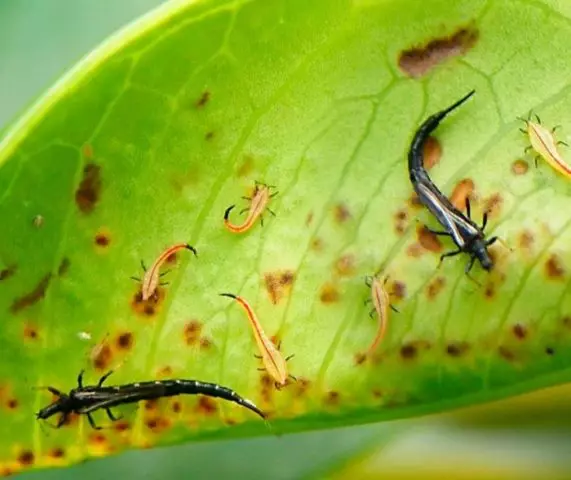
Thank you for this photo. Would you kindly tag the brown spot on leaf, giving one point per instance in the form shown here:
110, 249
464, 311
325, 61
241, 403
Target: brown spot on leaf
332, 398
329, 293
493, 204
414, 250
147, 308
457, 349
203, 100
519, 331
102, 239
176, 406
489, 291
401, 221
399, 289
360, 358
151, 405
554, 267
309, 219
157, 424
101, 356
246, 166
8, 272
206, 405
6, 472
12, 403
302, 386
192, 332
34, 296
409, 351
63, 267
432, 152
209, 135
506, 353
435, 287
57, 452
87, 151
26, 457
125, 341
414, 202
317, 244
526, 239
89, 190
121, 425
342, 213
205, 343
278, 284
428, 240
30, 332
345, 265
462, 191
418, 61
520, 167
566, 321
164, 372
549, 351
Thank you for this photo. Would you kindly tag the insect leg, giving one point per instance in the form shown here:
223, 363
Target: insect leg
393, 308
112, 417
484, 220
436, 232
290, 357
262, 220
163, 284
470, 265
369, 280
137, 279
61, 421
92, 422
164, 273
491, 241
560, 142
80, 379
259, 357
143, 266
527, 149
536, 159
247, 198
449, 254
468, 212
372, 313
104, 377
271, 212
243, 210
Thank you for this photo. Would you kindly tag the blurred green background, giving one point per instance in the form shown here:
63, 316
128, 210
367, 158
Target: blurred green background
524, 438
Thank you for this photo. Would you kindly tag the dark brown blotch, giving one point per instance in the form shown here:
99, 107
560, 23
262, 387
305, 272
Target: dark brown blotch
203, 100
360, 358
418, 61
30, 332
462, 191
398, 289
435, 287
209, 135
332, 398
121, 425
57, 452
554, 267
34, 296
428, 240
410, 350
149, 307
520, 167
165, 372
63, 267
489, 290
151, 405
7, 272
125, 341
205, 343
206, 405
192, 332
26, 457
102, 239
12, 404
101, 357
457, 349
89, 190
431, 153
278, 284
520, 331
526, 240
401, 221
176, 406
329, 293
341, 213
550, 351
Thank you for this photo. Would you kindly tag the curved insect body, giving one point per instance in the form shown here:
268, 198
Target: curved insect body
258, 203
85, 400
272, 359
152, 276
381, 301
465, 233
544, 143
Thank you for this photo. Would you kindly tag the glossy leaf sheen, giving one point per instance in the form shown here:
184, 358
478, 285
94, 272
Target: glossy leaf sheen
154, 135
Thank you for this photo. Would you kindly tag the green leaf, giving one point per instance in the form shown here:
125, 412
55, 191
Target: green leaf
149, 139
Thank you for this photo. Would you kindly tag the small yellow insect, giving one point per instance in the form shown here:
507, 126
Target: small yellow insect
259, 203
545, 145
382, 302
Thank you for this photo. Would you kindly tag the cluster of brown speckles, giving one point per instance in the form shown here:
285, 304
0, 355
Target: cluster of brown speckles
410, 350
101, 356
192, 335
34, 296
554, 267
401, 221
493, 204
526, 240
89, 190
149, 307
345, 265
332, 398
418, 61
279, 284
203, 100
342, 213
457, 349
520, 331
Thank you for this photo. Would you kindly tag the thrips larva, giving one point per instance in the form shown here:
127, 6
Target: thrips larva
151, 278
273, 360
543, 142
258, 203
84, 400
381, 302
